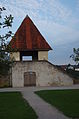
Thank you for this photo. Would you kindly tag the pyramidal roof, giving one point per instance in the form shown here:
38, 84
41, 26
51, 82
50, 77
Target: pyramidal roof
28, 37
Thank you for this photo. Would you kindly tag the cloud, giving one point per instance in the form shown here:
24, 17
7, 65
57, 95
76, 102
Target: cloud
77, 8
39, 8
61, 54
58, 34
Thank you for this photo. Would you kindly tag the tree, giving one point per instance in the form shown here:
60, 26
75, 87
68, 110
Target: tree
75, 55
5, 24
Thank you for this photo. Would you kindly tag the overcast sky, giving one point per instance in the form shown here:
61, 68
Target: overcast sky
57, 20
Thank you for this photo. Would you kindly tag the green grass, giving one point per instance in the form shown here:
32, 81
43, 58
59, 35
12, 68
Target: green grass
66, 101
13, 106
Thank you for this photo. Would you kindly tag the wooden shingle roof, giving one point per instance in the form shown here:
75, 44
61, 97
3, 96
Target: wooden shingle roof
28, 38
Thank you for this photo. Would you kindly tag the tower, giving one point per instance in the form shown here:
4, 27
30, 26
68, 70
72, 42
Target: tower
28, 41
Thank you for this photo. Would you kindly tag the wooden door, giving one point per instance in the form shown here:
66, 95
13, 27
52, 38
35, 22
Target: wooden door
29, 79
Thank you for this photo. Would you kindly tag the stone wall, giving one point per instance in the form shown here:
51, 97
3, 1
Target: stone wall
46, 74
5, 81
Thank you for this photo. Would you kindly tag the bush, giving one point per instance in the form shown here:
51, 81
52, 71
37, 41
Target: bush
73, 73
4, 67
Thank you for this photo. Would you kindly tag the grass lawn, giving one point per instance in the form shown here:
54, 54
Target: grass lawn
66, 101
13, 106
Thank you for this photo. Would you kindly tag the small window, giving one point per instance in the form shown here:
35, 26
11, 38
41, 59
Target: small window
27, 58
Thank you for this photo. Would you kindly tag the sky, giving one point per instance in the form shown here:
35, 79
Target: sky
57, 20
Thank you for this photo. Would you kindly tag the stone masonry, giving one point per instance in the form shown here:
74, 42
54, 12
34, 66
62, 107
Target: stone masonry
46, 74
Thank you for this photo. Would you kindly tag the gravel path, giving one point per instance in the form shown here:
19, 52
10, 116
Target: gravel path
42, 108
